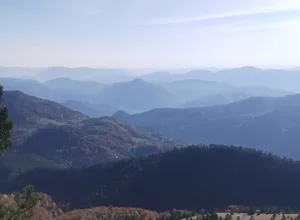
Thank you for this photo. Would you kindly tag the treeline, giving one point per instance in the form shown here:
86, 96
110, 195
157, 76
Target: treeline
188, 178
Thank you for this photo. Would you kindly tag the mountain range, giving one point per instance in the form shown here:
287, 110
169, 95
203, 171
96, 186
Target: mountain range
195, 89
97, 99
92, 110
102, 75
244, 76
89, 97
21, 72
284, 79
64, 84
271, 124
45, 129
137, 95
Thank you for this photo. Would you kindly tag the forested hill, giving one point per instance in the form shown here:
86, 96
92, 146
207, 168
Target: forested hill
192, 178
271, 124
48, 134
27, 110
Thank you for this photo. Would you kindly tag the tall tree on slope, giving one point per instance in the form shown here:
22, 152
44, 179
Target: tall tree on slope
24, 202
5, 125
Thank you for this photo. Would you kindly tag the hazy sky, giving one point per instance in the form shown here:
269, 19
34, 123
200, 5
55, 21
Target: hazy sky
149, 33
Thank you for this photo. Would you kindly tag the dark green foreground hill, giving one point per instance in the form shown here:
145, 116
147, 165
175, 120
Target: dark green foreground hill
189, 178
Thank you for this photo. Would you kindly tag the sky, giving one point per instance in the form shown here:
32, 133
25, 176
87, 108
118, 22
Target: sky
150, 33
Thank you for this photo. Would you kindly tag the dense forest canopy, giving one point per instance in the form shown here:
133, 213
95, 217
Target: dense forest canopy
193, 177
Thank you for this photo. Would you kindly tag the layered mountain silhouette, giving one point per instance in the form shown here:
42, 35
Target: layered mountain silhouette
191, 90
104, 75
99, 99
270, 124
137, 95
134, 96
46, 129
92, 110
64, 83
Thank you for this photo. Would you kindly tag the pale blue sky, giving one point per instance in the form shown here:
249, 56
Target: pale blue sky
149, 33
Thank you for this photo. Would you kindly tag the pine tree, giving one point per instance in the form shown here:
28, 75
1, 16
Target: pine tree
25, 201
5, 125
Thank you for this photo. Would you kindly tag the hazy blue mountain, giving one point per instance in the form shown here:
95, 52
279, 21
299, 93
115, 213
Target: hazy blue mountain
244, 76
233, 95
217, 99
28, 86
17, 71
263, 91
35, 88
84, 73
136, 95
160, 77
164, 77
251, 76
271, 124
83, 91
196, 74
195, 89
172, 94
229, 75
191, 89
92, 110
59, 90
64, 83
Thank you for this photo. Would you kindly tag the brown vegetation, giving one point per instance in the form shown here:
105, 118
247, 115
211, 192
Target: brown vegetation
113, 213
47, 209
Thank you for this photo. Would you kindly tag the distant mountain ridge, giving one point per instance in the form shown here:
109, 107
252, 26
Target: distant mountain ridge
284, 79
10, 71
103, 75
217, 99
243, 76
136, 95
270, 124
195, 89
92, 110
64, 83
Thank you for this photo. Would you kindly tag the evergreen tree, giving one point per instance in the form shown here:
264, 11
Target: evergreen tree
5, 126
25, 201
214, 216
